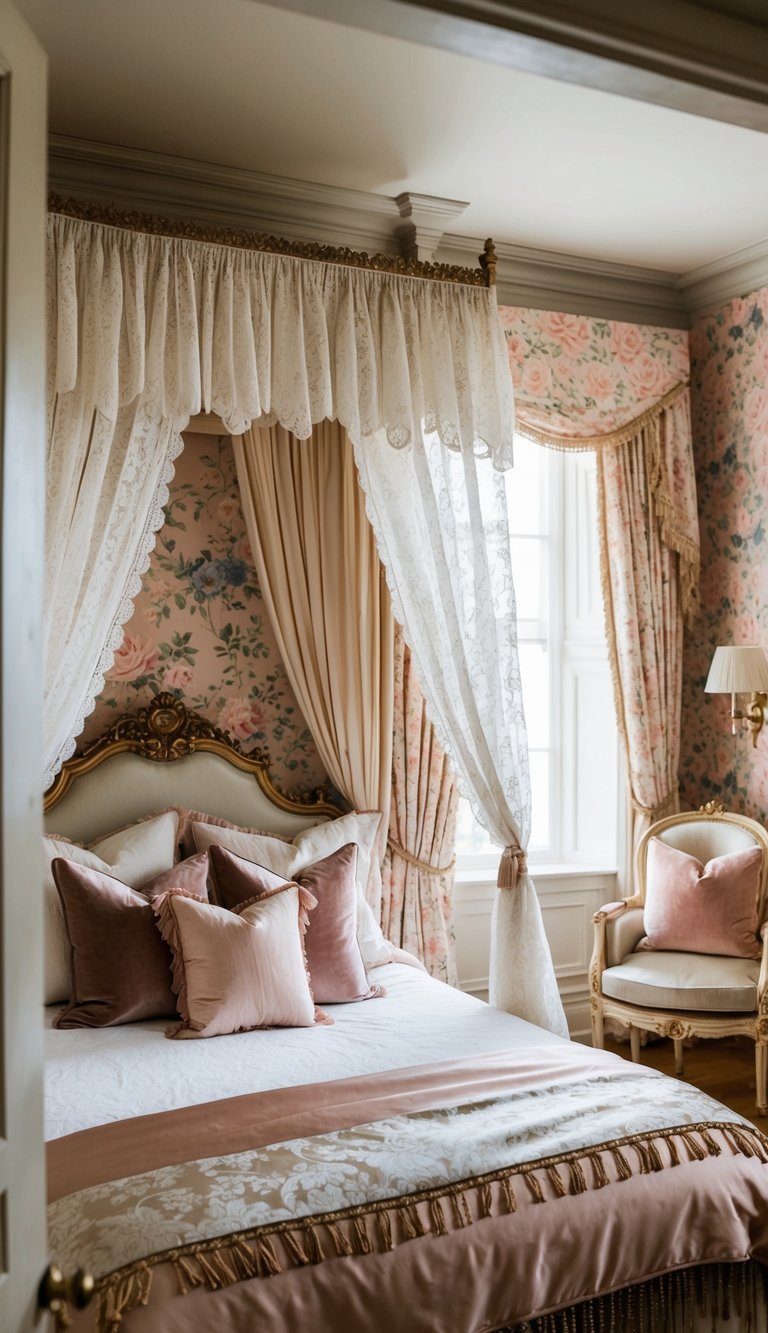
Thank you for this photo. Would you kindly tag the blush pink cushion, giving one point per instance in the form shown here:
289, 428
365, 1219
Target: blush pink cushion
702, 909
121, 968
333, 953
234, 971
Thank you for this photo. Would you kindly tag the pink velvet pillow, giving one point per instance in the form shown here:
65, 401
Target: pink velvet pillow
235, 971
702, 909
333, 953
121, 968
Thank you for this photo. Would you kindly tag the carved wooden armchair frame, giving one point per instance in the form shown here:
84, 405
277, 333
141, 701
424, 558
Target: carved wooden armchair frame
618, 927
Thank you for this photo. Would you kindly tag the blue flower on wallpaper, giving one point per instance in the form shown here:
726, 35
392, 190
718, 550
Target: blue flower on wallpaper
234, 572
208, 577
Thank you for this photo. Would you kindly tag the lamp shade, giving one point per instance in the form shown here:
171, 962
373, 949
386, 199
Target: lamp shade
738, 671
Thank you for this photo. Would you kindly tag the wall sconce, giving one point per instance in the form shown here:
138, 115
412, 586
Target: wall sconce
741, 671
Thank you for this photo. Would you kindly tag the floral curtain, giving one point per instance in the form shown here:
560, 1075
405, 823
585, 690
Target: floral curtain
621, 389
417, 875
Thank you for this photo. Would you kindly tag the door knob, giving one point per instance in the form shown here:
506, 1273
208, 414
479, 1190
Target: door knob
56, 1292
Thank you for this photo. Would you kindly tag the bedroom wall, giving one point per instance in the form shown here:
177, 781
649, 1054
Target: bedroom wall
729, 386
199, 627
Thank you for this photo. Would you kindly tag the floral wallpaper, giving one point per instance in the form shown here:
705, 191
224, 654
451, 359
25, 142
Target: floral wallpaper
199, 627
574, 375
729, 379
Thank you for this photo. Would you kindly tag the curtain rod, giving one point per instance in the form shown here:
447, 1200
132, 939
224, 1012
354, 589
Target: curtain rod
149, 223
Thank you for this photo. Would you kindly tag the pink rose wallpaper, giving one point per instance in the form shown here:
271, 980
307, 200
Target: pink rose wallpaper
199, 627
729, 383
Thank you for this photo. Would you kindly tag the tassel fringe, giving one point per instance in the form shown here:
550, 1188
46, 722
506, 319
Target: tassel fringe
383, 1226
669, 1302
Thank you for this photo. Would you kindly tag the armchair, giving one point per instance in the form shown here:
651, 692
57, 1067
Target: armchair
677, 993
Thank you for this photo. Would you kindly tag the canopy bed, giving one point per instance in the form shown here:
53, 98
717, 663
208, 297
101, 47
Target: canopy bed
401, 1145
425, 1154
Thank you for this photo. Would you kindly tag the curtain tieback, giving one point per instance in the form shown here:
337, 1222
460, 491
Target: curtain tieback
423, 866
513, 863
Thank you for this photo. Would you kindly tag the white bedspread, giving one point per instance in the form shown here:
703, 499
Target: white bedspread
95, 1075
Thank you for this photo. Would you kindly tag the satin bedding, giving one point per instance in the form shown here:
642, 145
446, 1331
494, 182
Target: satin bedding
434, 1167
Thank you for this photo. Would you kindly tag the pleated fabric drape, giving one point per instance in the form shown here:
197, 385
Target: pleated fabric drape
327, 599
417, 875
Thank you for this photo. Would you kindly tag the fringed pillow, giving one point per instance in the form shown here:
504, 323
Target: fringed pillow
235, 971
333, 953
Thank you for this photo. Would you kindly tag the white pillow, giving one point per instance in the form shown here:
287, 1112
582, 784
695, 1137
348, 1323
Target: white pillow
133, 855
312, 844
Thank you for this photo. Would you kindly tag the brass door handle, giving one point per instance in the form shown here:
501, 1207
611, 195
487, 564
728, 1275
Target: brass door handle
56, 1292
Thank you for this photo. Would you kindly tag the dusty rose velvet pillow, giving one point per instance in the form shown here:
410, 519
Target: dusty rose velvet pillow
702, 909
234, 971
333, 953
121, 968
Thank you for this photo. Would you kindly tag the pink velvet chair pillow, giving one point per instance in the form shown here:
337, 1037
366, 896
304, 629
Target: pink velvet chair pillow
702, 909
121, 968
235, 971
335, 963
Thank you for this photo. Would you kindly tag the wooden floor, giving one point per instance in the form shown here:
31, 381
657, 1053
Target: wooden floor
724, 1069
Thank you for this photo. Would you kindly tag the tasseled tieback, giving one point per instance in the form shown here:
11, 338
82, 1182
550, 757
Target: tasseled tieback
513, 863
424, 866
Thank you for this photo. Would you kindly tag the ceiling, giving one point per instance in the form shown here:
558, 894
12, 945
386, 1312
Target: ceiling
540, 163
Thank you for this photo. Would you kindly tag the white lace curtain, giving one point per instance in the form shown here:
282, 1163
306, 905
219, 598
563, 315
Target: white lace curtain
147, 331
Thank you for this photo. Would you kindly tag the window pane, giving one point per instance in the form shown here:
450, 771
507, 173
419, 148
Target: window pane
534, 669
527, 488
471, 836
528, 572
541, 822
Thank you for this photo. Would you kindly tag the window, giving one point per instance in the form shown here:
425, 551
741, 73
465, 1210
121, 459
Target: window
567, 691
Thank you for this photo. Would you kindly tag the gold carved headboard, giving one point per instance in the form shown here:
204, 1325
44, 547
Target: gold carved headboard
165, 754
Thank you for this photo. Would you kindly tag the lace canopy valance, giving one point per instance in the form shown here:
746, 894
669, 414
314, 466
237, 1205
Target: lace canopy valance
190, 326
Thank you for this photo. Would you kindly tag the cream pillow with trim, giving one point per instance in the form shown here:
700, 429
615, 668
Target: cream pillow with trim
314, 844
134, 855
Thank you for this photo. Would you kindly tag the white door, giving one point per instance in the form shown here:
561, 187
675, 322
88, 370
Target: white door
22, 488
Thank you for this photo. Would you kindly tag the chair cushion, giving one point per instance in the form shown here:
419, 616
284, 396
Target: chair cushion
684, 981
708, 909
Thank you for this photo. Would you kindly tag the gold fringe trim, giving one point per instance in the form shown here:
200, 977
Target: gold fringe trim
670, 1301
175, 228
361, 1229
612, 438
424, 866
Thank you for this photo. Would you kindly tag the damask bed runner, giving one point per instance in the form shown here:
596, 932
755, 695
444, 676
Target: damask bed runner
502, 1186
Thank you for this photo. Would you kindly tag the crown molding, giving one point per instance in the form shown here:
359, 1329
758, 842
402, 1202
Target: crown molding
553, 280
736, 274
134, 179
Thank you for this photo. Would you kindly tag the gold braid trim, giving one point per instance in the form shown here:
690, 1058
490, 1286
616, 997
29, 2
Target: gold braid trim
383, 1225
180, 228
612, 438
424, 866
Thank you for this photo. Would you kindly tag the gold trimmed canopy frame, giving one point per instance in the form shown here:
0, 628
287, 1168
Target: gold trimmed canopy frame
177, 228
166, 730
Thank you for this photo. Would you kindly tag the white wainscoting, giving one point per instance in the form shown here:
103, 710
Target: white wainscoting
569, 896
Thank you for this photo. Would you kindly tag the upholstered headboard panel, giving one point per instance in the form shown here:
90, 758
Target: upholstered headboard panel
165, 755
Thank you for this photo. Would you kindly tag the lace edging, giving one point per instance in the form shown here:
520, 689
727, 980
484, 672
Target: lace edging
131, 589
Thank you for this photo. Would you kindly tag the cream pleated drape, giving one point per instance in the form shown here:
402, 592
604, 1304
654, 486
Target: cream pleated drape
327, 600
417, 875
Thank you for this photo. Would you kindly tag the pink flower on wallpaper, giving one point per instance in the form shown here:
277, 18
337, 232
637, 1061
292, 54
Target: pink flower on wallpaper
228, 508
571, 332
246, 553
537, 377
599, 380
241, 718
516, 349
627, 342
135, 657
210, 479
648, 376
756, 410
178, 676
